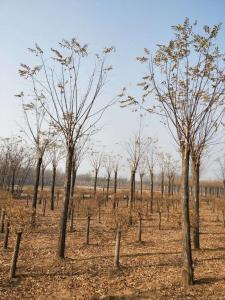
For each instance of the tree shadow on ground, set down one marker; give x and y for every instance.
(208, 280)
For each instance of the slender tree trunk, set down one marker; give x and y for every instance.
(115, 189)
(169, 185)
(74, 176)
(13, 182)
(141, 179)
(162, 184)
(42, 178)
(35, 193)
(15, 255)
(53, 187)
(2, 221)
(188, 276)
(95, 182)
(88, 229)
(195, 176)
(131, 196)
(63, 219)
(152, 187)
(139, 227)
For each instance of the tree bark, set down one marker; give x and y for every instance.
(139, 227)
(95, 182)
(15, 255)
(13, 182)
(107, 188)
(53, 187)
(42, 178)
(88, 229)
(35, 193)
(141, 179)
(115, 189)
(195, 176)
(188, 276)
(63, 219)
(131, 196)
(162, 184)
(2, 222)
(73, 181)
(152, 187)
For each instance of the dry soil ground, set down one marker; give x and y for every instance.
(149, 270)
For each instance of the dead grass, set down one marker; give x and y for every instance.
(149, 270)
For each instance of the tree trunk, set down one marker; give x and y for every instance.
(162, 184)
(187, 274)
(15, 255)
(141, 179)
(115, 189)
(53, 187)
(73, 181)
(195, 176)
(88, 229)
(2, 222)
(107, 188)
(131, 196)
(63, 219)
(35, 193)
(95, 182)
(139, 227)
(13, 182)
(152, 187)
(42, 178)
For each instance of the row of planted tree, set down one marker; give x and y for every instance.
(184, 83)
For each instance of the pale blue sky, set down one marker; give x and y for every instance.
(129, 25)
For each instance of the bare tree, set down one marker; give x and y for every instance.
(55, 155)
(37, 131)
(80, 152)
(70, 105)
(221, 164)
(202, 139)
(136, 149)
(151, 161)
(186, 77)
(45, 163)
(96, 160)
(142, 172)
(108, 163)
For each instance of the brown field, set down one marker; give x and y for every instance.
(149, 270)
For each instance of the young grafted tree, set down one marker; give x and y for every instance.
(38, 132)
(80, 152)
(151, 162)
(68, 96)
(136, 149)
(46, 160)
(14, 156)
(115, 164)
(142, 172)
(55, 154)
(96, 160)
(221, 166)
(108, 164)
(206, 135)
(185, 80)
(161, 160)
